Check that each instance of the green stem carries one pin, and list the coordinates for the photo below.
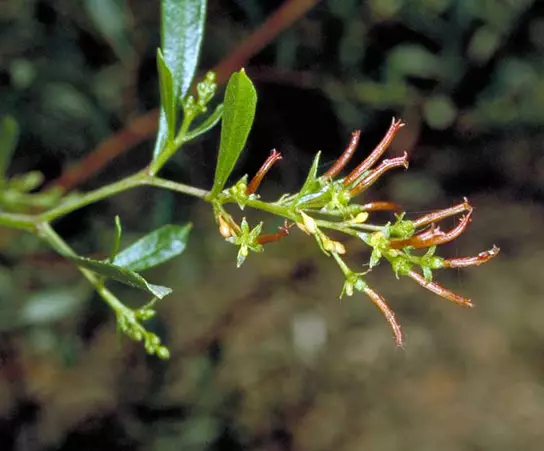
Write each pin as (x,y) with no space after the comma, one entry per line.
(274,209)
(141,178)
(48,234)
(92,197)
(342,264)
(18,221)
(172,146)
(177,187)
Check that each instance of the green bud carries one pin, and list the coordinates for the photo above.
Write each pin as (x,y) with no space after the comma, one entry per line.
(403,229)
(360,284)
(163,352)
(144,315)
(135,334)
(401,266)
(435,263)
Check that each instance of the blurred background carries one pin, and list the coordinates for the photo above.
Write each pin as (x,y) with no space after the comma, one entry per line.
(266,357)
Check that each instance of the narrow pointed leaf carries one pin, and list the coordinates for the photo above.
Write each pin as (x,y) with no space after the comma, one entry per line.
(9,134)
(155,248)
(239,112)
(116,239)
(208,123)
(168,99)
(120,274)
(311,179)
(182,31)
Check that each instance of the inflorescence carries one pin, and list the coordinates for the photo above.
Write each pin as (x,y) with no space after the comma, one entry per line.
(326,202)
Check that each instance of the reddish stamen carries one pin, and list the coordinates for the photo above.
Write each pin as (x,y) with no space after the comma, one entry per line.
(434,236)
(381,303)
(440,290)
(339,164)
(436,216)
(283,230)
(418,241)
(384,166)
(453,233)
(269,162)
(381,206)
(463,262)
(378,151)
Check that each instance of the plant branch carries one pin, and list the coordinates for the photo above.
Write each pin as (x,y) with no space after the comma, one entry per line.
(143,127)
(48,234)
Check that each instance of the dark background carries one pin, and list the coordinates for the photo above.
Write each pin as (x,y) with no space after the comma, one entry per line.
(266,357)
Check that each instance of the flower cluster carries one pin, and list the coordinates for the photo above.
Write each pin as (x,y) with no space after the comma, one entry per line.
(326,202)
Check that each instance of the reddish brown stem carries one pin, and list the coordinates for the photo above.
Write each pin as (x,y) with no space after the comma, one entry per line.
(258,178)
(453,233)
(381,303)
(440,290)
(374,156)
(463,262)
(135,132)
(436,216)
(374,175)
(340,164)
(281,19)
(418,241)
(381,206)
(433,236)
(283,231)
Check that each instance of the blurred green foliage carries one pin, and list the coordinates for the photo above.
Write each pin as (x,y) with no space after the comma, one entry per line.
(463,70)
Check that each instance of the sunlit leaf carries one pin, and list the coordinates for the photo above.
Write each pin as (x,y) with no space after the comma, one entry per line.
(120,274)
(9,134)
(182,31)
(239,112)
(155,248)
(168,99)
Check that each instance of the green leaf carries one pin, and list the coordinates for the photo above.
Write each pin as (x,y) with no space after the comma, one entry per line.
(46,306)
(116,239)
(168,99)
(182,31)
(155,248)
(311,183)
(109,16)
(206,125)
(123,275)
(410,60)
(9,135)
(240,103)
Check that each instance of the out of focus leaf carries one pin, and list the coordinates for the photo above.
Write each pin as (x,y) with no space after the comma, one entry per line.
(109,17)
(239,112)
(9,134)
(155,248)
(51,305)
(414,61)
(440,112)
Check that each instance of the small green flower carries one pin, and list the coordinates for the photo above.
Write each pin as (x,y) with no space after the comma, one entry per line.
(247,240)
